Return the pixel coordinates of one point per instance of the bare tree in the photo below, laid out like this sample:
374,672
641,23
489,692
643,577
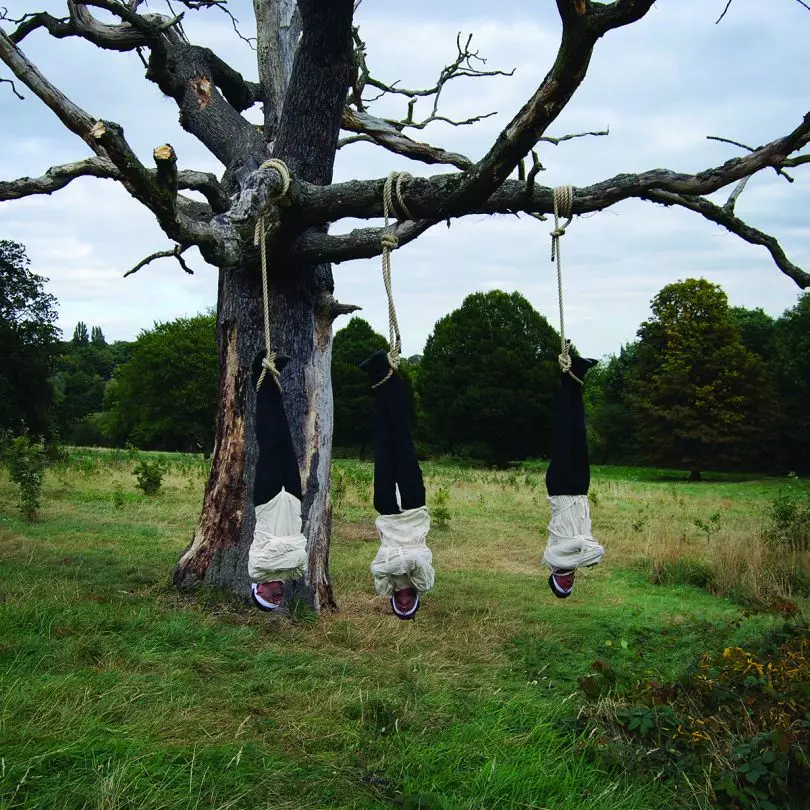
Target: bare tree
313,81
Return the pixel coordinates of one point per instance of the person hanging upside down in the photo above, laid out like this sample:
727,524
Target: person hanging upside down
403,566
278,551
570,542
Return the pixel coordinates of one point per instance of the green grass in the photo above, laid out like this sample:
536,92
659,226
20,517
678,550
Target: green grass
117,693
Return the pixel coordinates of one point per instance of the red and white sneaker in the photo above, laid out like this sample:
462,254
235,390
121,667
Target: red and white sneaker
268,595
405,603
561,583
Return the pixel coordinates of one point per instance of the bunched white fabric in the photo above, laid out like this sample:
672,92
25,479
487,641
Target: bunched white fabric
570,542
279,550
403,559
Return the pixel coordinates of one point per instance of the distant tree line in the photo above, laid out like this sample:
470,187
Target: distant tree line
703,386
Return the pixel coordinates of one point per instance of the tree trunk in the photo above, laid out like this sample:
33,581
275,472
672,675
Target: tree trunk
694,475
301,314
301,328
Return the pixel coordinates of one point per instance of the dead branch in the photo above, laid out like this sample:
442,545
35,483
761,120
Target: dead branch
57,177
315,247
777,169
721,216
194,5
385,134
465,65
728,5
725,10
14,90
732,199
583,24
107,140
571,136
175,252
438,196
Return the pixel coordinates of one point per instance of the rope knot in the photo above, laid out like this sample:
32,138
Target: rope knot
389,241
269,365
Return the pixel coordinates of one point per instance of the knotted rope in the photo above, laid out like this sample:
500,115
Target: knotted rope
389,242
269,360
563,200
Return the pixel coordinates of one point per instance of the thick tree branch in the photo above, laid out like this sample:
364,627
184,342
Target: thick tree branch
57,177
583,23
724,217
437,197
107,140
314,247
386,135
278,26
777,169
209,92
135,32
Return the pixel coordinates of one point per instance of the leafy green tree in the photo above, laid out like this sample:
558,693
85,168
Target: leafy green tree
611,427
28,343
80,334
792,371
757,328
488,378
165,396
700,399
82,373
350,386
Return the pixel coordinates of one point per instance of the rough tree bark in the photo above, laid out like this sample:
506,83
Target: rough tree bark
310,87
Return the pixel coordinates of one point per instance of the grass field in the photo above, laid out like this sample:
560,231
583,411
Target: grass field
117,693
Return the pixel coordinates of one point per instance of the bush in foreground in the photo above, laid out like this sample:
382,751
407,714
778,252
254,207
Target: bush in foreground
738,721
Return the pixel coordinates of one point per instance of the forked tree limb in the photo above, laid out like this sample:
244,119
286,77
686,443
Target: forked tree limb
57,177
107,140
722,216
437,197
388,136
584,23
176,253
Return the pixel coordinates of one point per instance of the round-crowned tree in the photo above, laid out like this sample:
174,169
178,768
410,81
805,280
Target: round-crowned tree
488,377
350,386
700,399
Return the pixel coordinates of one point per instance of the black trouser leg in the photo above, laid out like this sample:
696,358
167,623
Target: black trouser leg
408,473
569,471
385,480
277,465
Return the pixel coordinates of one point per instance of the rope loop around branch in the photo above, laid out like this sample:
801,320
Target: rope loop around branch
259,239
393,205
563,203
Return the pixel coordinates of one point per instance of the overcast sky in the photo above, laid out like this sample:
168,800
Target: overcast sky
661,86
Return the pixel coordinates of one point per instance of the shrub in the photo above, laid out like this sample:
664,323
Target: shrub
26,466
738,721
439,513
790,522
150,476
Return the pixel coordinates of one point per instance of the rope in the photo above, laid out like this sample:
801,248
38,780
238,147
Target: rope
389,242
269,360
563,200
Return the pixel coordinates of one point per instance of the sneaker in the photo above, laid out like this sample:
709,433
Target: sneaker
267,595
405,603
561,583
